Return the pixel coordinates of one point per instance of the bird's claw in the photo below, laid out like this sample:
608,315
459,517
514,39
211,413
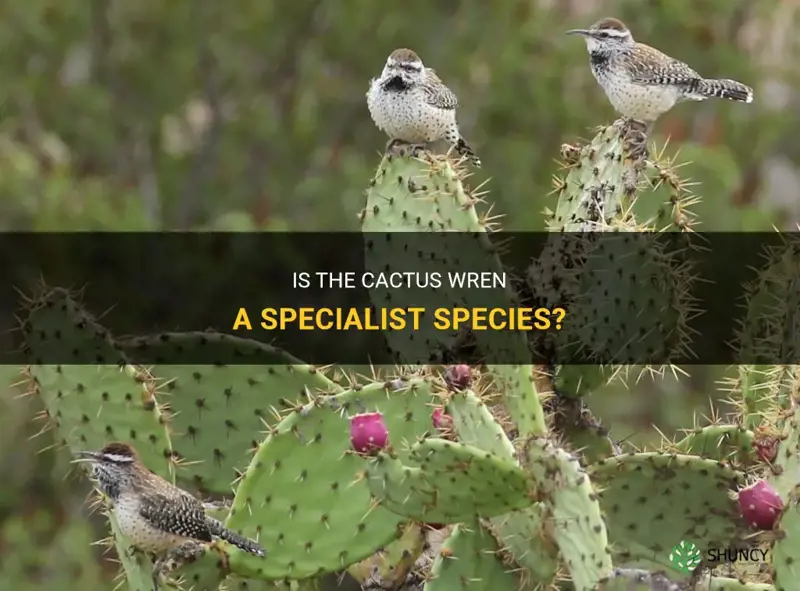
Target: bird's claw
402,148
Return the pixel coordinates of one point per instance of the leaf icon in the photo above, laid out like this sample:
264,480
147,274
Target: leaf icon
685,556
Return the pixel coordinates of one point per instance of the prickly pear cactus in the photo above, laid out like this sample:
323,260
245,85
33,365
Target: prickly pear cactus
305,494
505,458
786,547
217,411
469,559
426,194
686,496
89,405
448,482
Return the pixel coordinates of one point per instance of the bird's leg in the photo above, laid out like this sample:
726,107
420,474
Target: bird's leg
133,551
394,145
216,505
635,134
401,148
184,554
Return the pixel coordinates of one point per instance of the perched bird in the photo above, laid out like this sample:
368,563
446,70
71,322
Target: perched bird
411,104
155,516
643,83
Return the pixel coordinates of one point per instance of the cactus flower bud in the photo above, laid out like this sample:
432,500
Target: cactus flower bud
766,449
368,432
458,377
441,420
760,505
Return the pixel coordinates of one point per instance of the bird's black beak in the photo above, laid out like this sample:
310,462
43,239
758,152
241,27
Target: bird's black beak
584,32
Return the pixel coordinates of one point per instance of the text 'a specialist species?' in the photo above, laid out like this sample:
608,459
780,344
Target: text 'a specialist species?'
399,318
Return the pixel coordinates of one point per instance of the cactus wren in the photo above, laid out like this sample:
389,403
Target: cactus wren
411,104
155,516
641,82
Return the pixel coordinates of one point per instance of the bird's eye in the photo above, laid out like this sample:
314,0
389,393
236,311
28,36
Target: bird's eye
602,34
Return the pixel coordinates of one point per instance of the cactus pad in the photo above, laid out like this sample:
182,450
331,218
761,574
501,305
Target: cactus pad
767,332
304,497
652,501
523,536
476,426
218,411
720,442
629,301
577,528
392,564
469,560
592,193
90,405
421,195
520,533
786,548
448,482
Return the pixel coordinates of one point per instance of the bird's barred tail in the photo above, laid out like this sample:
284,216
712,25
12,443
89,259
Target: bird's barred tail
463,148
220,531
727,89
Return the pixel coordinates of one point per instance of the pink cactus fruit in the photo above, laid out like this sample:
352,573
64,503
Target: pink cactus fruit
368,432
458,377
441,420
760,505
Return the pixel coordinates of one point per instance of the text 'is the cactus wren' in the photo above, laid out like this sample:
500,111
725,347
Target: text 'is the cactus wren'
155,516
641,82
411,104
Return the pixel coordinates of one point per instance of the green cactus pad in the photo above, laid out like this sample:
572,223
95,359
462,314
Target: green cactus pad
469,560
448,482
580,380
786,548
577,528
720,442
304,496
516,384
392,564
420,195
522,535
218,411
652,501
626,282
476,426
773,305
593,192
427,196
90,405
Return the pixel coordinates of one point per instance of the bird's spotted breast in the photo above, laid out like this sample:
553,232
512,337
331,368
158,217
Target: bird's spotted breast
407,116
138,531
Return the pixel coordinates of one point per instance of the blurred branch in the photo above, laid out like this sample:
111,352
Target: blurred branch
206,157
283,80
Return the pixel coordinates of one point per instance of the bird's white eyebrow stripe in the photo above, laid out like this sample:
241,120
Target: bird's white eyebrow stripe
119,458
615,32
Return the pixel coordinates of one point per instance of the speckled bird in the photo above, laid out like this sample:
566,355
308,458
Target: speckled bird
411,104
643,83
155,516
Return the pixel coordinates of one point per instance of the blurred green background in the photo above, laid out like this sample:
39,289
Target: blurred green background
251,115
